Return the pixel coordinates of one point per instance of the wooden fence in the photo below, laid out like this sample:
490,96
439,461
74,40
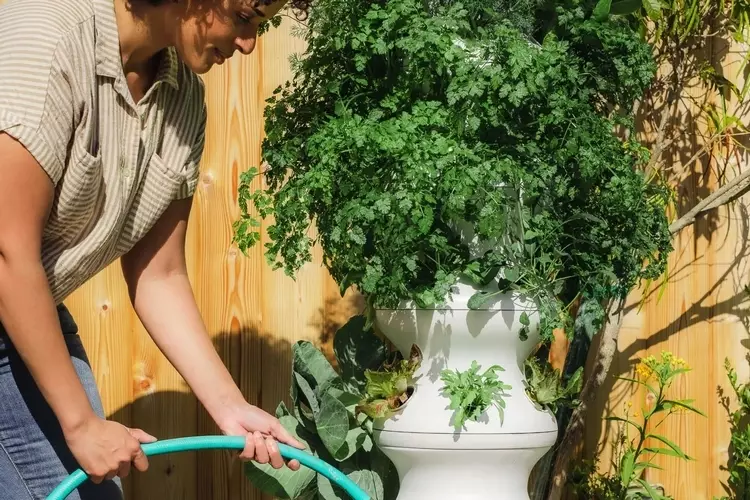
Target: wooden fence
254,314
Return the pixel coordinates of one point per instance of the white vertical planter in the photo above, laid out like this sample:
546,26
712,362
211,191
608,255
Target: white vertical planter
487,459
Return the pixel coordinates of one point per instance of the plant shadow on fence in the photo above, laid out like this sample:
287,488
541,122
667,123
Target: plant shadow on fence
260,364
704,306
208,474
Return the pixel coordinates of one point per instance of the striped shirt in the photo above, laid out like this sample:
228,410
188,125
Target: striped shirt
116,164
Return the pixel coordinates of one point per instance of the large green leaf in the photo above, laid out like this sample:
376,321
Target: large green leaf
373,472
653,9
627,466
357,349
625,7
602,9
332,422
284,482
312,364
306,402
338,390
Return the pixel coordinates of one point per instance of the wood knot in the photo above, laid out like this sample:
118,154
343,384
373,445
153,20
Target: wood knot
143,382
207,179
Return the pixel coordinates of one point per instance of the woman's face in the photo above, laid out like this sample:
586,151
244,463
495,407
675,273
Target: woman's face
210,31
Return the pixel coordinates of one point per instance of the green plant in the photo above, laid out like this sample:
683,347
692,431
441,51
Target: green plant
545,387
403,119
389,388
637,445
471,394
324,417
738,485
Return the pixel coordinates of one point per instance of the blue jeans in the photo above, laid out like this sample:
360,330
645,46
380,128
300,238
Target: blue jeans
34,457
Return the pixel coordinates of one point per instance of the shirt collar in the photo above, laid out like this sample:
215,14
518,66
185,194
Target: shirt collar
107,47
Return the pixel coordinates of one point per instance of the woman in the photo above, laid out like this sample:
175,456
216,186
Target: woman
102,122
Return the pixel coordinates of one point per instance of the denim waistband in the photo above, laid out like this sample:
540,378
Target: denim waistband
67,324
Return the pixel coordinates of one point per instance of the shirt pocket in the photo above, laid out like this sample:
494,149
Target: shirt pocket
79,194
159,186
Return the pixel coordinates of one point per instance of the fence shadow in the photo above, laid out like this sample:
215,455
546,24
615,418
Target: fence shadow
704,308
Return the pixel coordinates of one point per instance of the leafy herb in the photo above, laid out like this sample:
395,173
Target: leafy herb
390,387
406,117
472,393
545,387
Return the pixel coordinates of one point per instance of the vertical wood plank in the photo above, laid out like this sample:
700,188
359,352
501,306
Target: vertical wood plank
102,311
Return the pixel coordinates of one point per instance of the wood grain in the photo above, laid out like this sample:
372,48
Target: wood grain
254,315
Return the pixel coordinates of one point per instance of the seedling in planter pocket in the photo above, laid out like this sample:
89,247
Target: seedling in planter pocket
388,390
472,394
546,388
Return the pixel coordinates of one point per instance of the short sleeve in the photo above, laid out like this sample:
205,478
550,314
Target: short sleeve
36,99
192,166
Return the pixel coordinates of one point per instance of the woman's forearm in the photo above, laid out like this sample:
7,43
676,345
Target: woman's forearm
29,315
166,307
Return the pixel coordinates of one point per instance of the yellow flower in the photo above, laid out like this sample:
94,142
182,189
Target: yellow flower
630,403
681,363
635,414
643,370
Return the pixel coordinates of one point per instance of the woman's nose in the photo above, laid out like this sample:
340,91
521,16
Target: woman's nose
245,45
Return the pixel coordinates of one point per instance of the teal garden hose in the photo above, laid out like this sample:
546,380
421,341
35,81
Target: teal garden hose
193,443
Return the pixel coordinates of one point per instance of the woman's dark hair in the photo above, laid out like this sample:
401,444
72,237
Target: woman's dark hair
301,6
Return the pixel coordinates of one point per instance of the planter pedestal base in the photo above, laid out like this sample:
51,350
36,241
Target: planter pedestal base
459,474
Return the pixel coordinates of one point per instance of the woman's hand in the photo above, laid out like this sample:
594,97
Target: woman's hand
261,431
105,449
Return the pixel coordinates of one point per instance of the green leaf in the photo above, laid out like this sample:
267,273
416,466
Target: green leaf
684,404
653,494
511,274
305,401
644,384
524,319
357,349
590,318
653,9
332,422
602,9
669,443
620,419
662,451
284,483
627,465
373,472
312,364
478,299
644,465
625,7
